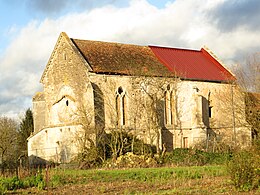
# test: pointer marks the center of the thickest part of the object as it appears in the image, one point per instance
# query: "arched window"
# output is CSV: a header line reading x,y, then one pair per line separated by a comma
x,y
168,106
121,106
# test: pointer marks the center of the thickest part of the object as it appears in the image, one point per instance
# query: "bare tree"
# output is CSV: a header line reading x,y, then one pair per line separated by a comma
x,y
144,118
8,144
154,102
248,75
89,115
248,78
116,111
92,139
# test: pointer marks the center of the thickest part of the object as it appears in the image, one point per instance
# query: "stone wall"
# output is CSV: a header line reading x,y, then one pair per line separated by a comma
x,y
57,144
161,111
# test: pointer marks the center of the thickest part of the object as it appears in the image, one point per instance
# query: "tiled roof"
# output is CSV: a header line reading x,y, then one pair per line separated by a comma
x,y
116,58
192,64
126,59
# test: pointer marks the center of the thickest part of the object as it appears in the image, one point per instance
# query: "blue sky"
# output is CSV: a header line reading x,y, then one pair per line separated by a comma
x,y
30,28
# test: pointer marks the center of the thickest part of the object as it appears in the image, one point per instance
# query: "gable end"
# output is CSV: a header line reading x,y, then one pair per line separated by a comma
x,y
64,36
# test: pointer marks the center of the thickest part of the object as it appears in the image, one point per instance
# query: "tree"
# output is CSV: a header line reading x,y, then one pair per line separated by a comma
x,y
248,78
253,113
248,75
8,144
25,130
90,136
157,106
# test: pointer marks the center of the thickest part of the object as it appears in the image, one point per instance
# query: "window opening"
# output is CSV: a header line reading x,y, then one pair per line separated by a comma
x,y
123,109
210,111
209,105
64,56
121,106
185,142
120,90
168,107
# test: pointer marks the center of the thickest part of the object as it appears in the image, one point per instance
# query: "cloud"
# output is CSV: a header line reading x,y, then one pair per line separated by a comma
x,y
184,24
47,6
233,14
50,7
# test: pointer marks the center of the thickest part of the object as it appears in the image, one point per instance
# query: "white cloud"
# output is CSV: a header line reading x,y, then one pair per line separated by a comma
x,y
179,24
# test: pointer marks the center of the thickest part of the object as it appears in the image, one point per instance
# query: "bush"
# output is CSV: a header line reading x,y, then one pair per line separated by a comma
x,y
125,142
130,160
193,157
244,170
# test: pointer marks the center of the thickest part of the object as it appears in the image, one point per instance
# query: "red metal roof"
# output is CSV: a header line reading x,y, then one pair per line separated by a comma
x,y
192,64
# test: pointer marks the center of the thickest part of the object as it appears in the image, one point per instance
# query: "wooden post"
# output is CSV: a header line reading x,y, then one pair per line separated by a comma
x,y
47,178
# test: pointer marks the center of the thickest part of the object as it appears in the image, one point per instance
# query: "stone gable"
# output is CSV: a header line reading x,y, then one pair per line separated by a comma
x,y
165,111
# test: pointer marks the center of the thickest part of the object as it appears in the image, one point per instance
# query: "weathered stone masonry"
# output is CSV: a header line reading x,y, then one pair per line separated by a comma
x,y
117,85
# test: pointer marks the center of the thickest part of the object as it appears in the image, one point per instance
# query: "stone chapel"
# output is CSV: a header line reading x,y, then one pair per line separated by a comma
x,y
168,97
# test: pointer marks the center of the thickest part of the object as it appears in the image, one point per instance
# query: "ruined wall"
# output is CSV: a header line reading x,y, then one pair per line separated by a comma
x,y
54,144
38,112
67,91
199,110
161,111
208,108
65,81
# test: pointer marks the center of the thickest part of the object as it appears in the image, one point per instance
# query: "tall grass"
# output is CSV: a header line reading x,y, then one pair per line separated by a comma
x,y
14,183
61,177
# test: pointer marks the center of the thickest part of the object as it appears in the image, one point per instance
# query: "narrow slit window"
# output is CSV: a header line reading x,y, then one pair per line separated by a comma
x,y
64,56
210,111
121,106
168,107
185,142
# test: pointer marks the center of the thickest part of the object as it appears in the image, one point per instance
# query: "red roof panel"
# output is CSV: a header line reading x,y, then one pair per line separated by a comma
x,y
192,64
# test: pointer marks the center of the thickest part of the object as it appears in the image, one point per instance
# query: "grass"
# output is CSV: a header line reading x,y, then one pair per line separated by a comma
x,y
164,180
139,174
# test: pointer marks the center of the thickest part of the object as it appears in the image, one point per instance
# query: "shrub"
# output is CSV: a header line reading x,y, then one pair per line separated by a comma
x,y
244,170
193,157
130,160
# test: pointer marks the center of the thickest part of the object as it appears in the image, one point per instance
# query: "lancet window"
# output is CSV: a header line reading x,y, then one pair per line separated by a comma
x,y
121,106
168,106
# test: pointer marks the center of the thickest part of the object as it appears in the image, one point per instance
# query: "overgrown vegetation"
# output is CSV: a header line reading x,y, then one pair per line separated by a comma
x,y
14,183
200,166
148,176
244,168
8,144
194,157
13,145
160,180
243,165
115,145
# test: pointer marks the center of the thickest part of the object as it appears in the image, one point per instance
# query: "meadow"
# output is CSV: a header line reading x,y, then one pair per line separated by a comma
x,y
160,180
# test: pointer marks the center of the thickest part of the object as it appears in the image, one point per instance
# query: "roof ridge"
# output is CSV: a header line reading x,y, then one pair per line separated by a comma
x,y
176,48
110,42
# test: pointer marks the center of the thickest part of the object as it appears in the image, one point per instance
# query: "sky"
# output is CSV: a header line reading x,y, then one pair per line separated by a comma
x,y
30,28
